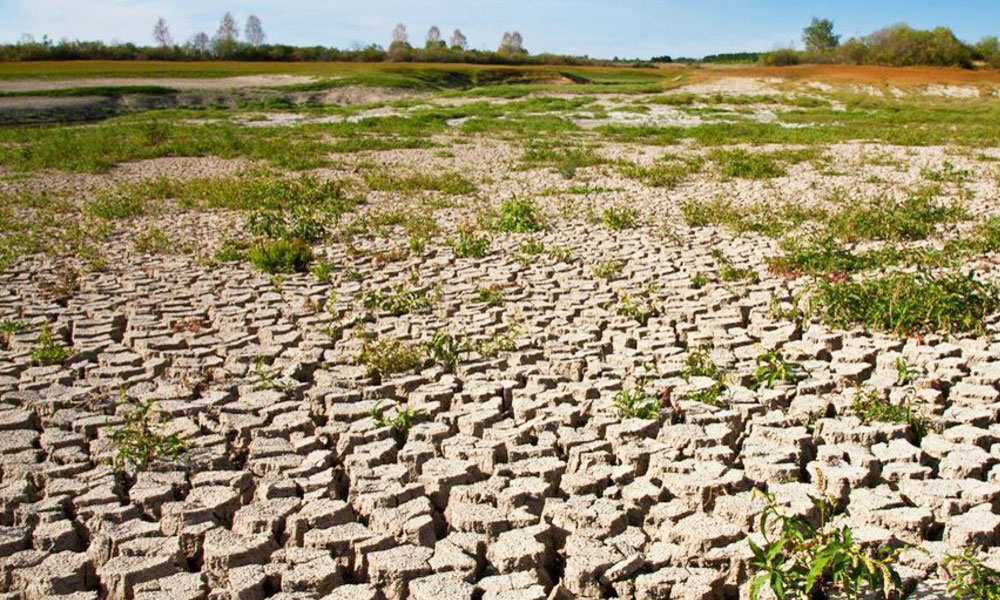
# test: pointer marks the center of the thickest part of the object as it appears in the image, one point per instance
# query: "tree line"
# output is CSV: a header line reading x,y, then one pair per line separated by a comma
x,y
226,44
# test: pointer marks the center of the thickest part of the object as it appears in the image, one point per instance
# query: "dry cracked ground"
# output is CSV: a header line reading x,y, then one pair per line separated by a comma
x,y
449,408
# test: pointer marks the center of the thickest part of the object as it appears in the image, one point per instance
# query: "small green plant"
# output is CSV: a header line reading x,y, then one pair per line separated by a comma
x,y
637,403
909,303
518,216
608,269
117,205
444,349
383,357
323,270
400,300
803,561
492,295
699,363
699,281
281,256
418,244
232,250
470,245
729,272
141,438
8,329
48,349
265,379
905,374
970,578
401,421
639,307
772,367
871,405
562,254
528,252
617,218
747,165
153,241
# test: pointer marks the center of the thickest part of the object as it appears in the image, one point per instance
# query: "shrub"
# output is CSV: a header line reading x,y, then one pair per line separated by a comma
x,y
783,57
281,256
801,561
48,349
470,245
970,578
617,218
9,328
388,356
518,216
906,303
141,439
637,403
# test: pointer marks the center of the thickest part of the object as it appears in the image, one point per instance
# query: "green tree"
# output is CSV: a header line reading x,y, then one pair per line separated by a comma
x,y
819,37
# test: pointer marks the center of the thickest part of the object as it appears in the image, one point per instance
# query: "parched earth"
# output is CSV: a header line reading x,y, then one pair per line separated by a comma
x,y
520,479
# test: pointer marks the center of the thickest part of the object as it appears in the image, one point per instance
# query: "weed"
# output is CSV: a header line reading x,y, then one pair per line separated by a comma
x,y
9,328
946,174
383,357
562,254
265,379
870,405
660,175
470,245
402,420
747,165
772,367
492,295
518,216
617,218
323,270
906,303
637,403
799,560
444,349
153,241
608,269
729,272
48,349
914,218
232,250
905,374
418,244
141,439
699,281
281,256
699,363
117,205
503,340
400,300
448,183
970,578
528,252
639,307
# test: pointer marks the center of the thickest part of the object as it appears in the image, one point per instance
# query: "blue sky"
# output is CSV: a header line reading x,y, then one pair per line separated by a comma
x,y
632,28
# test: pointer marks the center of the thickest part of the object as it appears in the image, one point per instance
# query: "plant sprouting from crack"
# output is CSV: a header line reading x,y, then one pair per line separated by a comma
x,y
142,439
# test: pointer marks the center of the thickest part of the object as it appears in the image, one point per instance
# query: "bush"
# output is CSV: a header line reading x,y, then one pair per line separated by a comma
x,y
388,356
518,216
282,256
784,57
901,46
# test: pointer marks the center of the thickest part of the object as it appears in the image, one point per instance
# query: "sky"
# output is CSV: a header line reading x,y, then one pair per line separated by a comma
x,y
598,28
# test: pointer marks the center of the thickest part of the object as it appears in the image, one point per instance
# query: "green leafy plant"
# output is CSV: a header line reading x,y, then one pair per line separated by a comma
x,y
383,357
637,403
281,256
264,378
492,295
699,363
528,252
970,578
617,218
871,405
518,215
401,421
8,329
323,270
640,306
141,438
470,245
608,269
561,254
153,241
699,281
800,560
772,367
444,349
48,348
400,300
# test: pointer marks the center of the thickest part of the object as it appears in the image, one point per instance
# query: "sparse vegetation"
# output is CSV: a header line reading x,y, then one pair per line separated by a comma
x,y
49,349
386,356
637,403
470,245
772,368
608,269
518,215
617,218
970,578
871,405
142,438
402,420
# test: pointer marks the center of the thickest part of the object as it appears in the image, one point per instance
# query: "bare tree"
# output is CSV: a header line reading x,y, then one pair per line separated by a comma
x,y
399,34
254,32
433,35
161,33
200,41
512,43
26,38
458,40
229,29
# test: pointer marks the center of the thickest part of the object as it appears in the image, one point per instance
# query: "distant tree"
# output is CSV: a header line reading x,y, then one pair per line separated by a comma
x,y
819,37
988,49
433,35
254,31
399,34
26,38
512,43
200,41
458,41
161,33
229,29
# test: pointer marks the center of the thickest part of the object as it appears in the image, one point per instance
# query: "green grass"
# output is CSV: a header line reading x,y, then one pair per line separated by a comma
x,y
470,245
104,90
907,304
667,175
519,215
447,183
914,218
281,256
